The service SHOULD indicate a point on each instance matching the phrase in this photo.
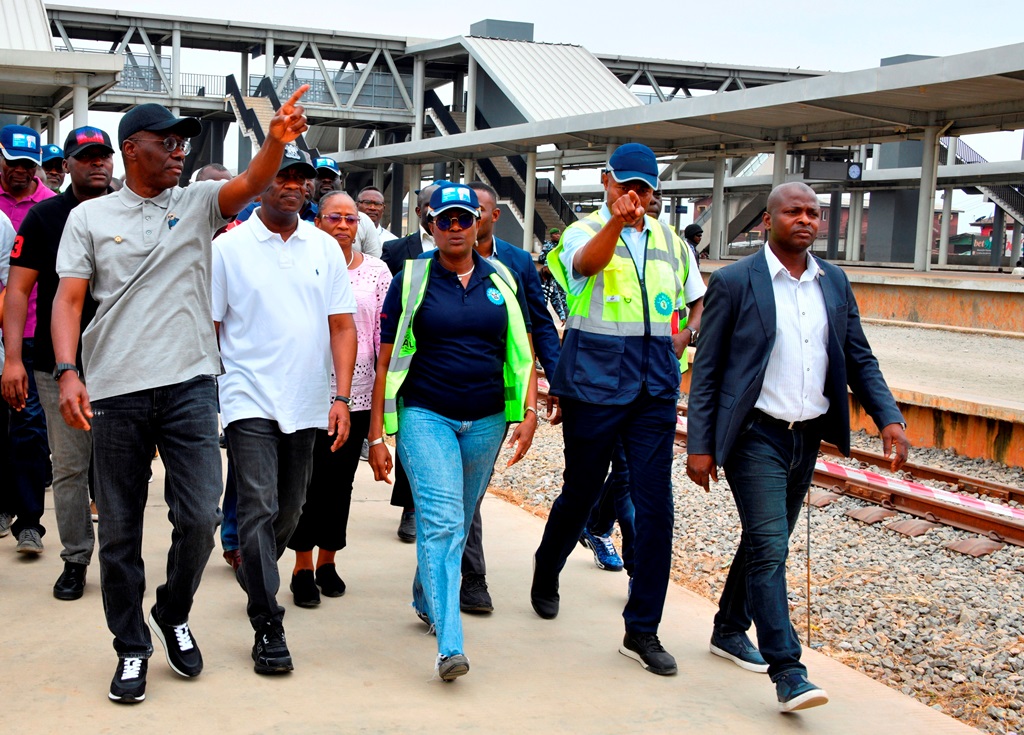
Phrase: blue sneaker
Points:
(605, 555)
(796, 693)
(738, 649)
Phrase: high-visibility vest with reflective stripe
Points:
(518, 358)
(619, 330)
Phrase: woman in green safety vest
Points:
(455, 369)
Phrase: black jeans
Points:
(272, 471)
(181, 421)
(30, 454)
(647, 429)
(324, 521)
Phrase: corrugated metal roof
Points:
(548, 81)
(24, 27)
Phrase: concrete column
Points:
(998, 236)
(1015, 243)
(411, 223)
(268, 55)
(779, 164)
(35, 122)
(531, 200)
(468, 170)
(244, 143)
(176, 61)
(80, 101)
(855, 222)
(458, 93)
(556, 176)
(835, 215)
(53, 127)
(378, 176)
(947, 208)
(718, 213)
(395, 206)
(926, 200)
(471, 96)
(419, 73)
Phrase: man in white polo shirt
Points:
(283, 306)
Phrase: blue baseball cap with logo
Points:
(634, 162)
(18, 143)
(451, 196)
(328, 164)
(52, 153)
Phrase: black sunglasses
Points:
(465, 220)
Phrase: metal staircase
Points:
(1009, 198)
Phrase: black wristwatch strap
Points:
(62, 367)
(344, 399)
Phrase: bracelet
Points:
(375, 442)
(529, 408)
(344, 399)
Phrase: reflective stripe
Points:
(617, 329)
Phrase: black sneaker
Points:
(270, 651)
(182, 651)
(407, 526)
(647, 649)
(70, 585)
(474, 597)
(129, 683)
(304, 591)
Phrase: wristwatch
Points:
(62, 367)
(344, 399)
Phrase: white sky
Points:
(840, 36)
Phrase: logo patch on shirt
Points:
(172, 220)
(495, 297)
(663, 303)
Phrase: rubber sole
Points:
(639, 659)
(756, 668)
(163, 642)
(452, 668)
(813, 698)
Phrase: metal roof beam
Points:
(909, 118)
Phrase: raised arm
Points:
(287, 125)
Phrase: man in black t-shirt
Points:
(89, 161)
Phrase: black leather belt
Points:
(762, 418)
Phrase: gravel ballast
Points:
(945, 628)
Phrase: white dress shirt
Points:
(794, 384)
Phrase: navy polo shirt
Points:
(458, 368)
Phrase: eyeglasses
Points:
(444, 222)
(335, 218)
(370, 203)
(170, 143)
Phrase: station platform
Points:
(364, 664)
(982, 301)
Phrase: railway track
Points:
(997, 522)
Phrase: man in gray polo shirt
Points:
(151, 357)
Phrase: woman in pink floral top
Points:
(324, 520)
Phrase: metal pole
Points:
(926, 200)
(244, 142)
(531, 200)
(419, 71)
(947, 207)
(835, 214)
(175, 62)
(779, 164)
(998, 236)
(471, 96)
(718, 213)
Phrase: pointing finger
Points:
(296, 96)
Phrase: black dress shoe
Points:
(304, 589)
(544, 594)
(70, 585)
(327, 579)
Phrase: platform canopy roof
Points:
(34, 78)
(980, 91)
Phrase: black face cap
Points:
(158, 119)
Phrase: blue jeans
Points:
(272, 471)
(449, 464)
(769, 470)
(181, 421)
(615, 504)
(30, 454)
(229, 509)
(590, 432)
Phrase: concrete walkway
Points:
(363, 663)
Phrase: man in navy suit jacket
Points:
(401, 249)
(780, 342)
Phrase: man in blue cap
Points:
(53, 167)
(627, 276)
